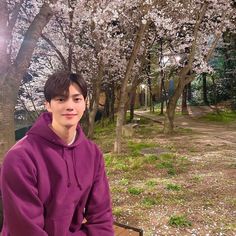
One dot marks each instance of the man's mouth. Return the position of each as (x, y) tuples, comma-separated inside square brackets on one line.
[(69, 115)]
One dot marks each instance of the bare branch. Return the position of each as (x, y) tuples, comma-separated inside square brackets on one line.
[(31, 37), (61, 57), (195, 34)]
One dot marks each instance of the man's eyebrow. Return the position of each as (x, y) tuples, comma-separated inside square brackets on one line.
[(77, 94)]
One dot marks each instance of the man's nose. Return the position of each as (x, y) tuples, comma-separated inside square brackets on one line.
[(69, 105)]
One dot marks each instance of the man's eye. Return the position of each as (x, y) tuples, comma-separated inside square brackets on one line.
[(60, 99), (78, 99)]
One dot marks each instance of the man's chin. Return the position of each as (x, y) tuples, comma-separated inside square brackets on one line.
[(69, 126)]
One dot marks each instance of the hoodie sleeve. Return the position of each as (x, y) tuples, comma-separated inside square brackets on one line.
[(23, 210), (98, 213)]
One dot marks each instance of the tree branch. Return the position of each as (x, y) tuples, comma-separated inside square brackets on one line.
[(62, 58), (195, 35), (30, 40)]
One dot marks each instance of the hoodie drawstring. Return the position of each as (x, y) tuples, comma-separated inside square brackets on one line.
[(74, 170), (67, 168), (68, 174)]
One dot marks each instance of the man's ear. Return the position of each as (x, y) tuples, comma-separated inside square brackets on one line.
[(48, 106)]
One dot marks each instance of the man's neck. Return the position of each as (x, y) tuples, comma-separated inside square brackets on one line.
[(66, 134)]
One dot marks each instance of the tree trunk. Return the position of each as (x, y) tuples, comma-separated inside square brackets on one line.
[(184, 100), (171, 106), (204, 89), (123, 93), (132, 103), (112, 105), (189, 92), (161, 96), (107, 111), (95, 99), (110, 102), (185, 73), (11, 75), (7, 124)]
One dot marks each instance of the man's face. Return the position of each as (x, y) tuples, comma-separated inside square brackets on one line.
[(67, 111)]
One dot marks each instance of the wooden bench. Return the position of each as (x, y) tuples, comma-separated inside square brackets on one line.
[(126, 230)]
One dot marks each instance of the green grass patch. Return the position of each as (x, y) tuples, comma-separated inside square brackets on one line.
[(117, 189), (124, 181), (104, 127), (115, 162), (117, 211), (172, 163), (232, 165), (222, 117), (150, 201), (151, 183), (150, 130), (136, 148), (135, 191), (179, 221), (197, 179), (231, 201), (173, 187), (150, 159)]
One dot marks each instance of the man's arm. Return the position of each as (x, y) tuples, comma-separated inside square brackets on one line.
[(23, 210)]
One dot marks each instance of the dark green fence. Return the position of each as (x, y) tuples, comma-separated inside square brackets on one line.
[(20, 133)]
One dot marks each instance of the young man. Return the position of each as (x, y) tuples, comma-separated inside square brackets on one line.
[(53, 180)]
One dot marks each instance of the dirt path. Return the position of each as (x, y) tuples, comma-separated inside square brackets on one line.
[(209, 198)]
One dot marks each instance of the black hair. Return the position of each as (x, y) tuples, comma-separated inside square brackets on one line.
[(58, 84)]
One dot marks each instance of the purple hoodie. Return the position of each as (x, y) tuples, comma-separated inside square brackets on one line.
[(49, 188)]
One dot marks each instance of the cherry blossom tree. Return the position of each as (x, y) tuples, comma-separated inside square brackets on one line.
[(207, 22), (109, 42)]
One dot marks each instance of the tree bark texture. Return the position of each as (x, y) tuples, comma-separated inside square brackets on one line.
[(123, 93), (171, 106), (95, 99), (11, 75), (204, 89), (184, 100)]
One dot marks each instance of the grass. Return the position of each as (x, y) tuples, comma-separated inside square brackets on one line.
[(124, 181), (160, 182), (197, 179), (179, 221), (135, 191), (150, 159), (135, 148), (104, 127), (151, 183), (224, 117), (172, 163), (173, 187), (150, 201), (117, 211)]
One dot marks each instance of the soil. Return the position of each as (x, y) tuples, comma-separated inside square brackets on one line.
[(208, 195)]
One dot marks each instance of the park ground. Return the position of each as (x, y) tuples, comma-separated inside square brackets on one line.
[(179, 184)]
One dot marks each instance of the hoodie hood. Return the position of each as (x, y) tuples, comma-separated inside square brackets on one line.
[(41, 128)]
